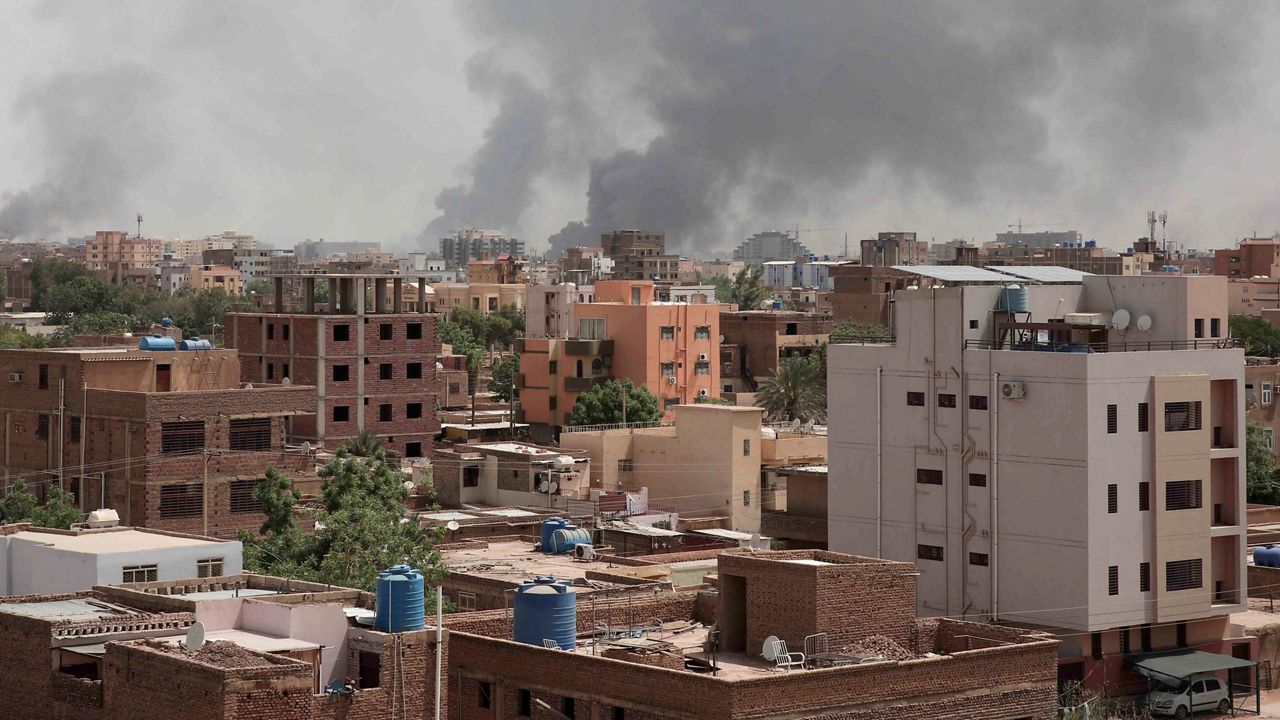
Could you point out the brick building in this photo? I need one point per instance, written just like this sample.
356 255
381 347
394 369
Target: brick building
369 361
640 255
1253 257
115 254
895 248
755 340
169 439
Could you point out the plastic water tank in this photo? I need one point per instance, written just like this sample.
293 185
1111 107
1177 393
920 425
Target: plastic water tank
549 526
195 343
1014 298
1266 556
564 539
546 609
399 600
166 322
157 342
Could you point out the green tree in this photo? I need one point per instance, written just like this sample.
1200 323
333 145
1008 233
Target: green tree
259 287
58 511
502 382
12 338
278 499
364 444
102 322
602 404
48 273
1258 336
81 294
745 289
1261 481
795 392
848 331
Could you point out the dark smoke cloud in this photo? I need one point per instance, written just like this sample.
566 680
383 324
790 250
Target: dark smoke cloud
765 109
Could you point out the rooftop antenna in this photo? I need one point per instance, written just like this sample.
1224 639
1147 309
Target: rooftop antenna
1151 225
139 225
1164 229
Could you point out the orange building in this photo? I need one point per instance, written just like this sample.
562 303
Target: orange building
672 349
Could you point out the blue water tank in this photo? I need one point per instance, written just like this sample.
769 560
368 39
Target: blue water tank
564 539
1266 556
400 603
157 342
549 526
195 343
1014 299
167 322
546 609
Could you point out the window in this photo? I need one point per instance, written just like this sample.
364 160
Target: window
1268 392
1215 327
1144 577
1182 495
1181 416
1183 575
138 573
976 558
1113 580
1124 641
486 690
946 400
471 477
181 436
667 332
668 403
413 411
341 413
1182 634
1144 496
746 447
591 328
1199 327
977 402
977 480
1143 424
1269 438
385 332
384 371
625 465
74 430
413 331
271 331
524 703
1095 639
251 434
242 500
44 377
553 402
928 477
341 332
413 371
370 672
341 373
566 707
702 332
553 367
284 372
929 552
1145 635
1113 498
746 498
211 567
413 449
619 714
915 398
271 371
1113 419
285 329
702 368
973 324
384 412
668 369
42 426
181 501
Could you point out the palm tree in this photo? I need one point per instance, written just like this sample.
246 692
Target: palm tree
795 392
366 444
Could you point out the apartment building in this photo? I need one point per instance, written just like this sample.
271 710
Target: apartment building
670 348
1253 257
1063 455
463 246
894 248
640 255
114 253
1261 381
770 245
864 293
509 473
585 265
168 438
753 341
484 297
369 359
548 309
215 277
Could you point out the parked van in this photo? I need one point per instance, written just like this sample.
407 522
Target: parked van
1198 693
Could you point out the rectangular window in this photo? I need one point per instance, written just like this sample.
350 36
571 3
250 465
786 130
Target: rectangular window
553 367
1095 639
486 690
384 371
977 480
413 331
946 400
271 331
1145 635
42 426
668 369
1199 327
929 552
702 332
74 428
1113 420
567 708
271 371
1268 393
1143 424
44 377
341 332
619 713
242 501
1113 580
624 465
1113 502
746 498
250 434
524 703
981 559
385 332
471 477
341 413
702 368
915 398
1144 496
1144 577
928 477
667 332
1269 438
591 328
553 402
1182 495
413 411
209 568
384 412
139 573
413 449
977 402
285 328
341 373
746 447
1182 416
466 601
1215 327
1182 634
1124 641
413 371
284 372
181 436
1183 575
370 669
181 501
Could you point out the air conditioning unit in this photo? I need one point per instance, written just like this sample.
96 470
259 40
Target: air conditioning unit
703 392
15 377
1013 390
671 380
584 552
702 357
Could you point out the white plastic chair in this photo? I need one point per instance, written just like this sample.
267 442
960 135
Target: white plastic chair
550 644
776 650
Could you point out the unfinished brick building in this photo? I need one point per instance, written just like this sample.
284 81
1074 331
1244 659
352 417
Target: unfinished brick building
368 358
167 438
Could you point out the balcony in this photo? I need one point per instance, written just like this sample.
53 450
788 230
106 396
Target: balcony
1066 346
582 384
588 347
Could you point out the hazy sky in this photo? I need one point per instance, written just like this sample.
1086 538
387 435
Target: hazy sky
396 121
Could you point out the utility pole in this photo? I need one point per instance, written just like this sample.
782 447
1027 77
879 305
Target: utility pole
204 501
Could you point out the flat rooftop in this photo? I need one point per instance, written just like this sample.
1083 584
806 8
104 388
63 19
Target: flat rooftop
113 541
70 609
516 561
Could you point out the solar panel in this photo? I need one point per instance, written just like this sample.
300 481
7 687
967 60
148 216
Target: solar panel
1042 273
954 273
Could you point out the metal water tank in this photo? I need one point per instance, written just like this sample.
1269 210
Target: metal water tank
549 526
399 600
157 342
1014 298
195 343
546 609
564 539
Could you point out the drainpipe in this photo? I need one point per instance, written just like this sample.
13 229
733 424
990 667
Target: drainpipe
439 644
995 490
879 461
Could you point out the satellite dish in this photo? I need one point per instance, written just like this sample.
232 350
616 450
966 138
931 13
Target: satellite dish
285 381
769 652
544 486
408 485
1120 319
555 487
1144 323
452 525
795 424
195 636
306 446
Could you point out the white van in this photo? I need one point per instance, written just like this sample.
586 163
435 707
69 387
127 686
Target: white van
1197 693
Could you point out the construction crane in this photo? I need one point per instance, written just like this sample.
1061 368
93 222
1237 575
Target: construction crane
1019 225
799 230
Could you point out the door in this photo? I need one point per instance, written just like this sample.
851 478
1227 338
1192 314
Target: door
162 378
1239 677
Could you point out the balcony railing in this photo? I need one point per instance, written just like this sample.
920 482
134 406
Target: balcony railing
614 426
861 339
582 384
1101 347
588 347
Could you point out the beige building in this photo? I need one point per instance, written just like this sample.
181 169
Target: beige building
1077 466
485 297
548 311
509 473
211 277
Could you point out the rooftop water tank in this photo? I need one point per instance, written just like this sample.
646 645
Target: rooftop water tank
1013 298
564 539
546 609
157 342
1266 556
549 526
167 322
399 599
195 343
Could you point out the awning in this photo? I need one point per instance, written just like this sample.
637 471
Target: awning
1181 664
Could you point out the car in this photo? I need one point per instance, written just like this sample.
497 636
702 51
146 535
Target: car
1197 693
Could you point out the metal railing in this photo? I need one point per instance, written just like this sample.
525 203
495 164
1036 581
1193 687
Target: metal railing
615 426
1149 345
861 339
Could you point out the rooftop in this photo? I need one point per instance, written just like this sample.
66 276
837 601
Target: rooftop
113 540
516 561
69 609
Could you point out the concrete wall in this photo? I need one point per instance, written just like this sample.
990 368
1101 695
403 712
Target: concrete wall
28 567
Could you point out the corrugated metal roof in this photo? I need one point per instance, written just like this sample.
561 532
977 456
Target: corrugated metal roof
1042 273
954 273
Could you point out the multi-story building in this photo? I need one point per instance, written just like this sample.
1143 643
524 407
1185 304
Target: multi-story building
1042 239
672 349
114 253
369 361
215 277
640 255
1067 455
1253 257
753 341
463 246
895 248
548 309
501 269
318 249
1252 295
782 274
1261 381
770 245
168 438
485 297
1086 258
509 473
585 265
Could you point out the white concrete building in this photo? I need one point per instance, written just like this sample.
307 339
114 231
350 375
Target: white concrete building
548 311
1076 463
39 561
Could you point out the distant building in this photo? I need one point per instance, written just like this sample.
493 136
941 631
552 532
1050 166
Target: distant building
509 473
895 248
463 246
317 249
770 245
1253 257
640 255
754 341
484 297
114 253
215 277
549 309
1042 239
585 265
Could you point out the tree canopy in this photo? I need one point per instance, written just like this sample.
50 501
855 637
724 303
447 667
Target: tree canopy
1258 336
796 392
1262 479
58 511
502 383
602 404
746 289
